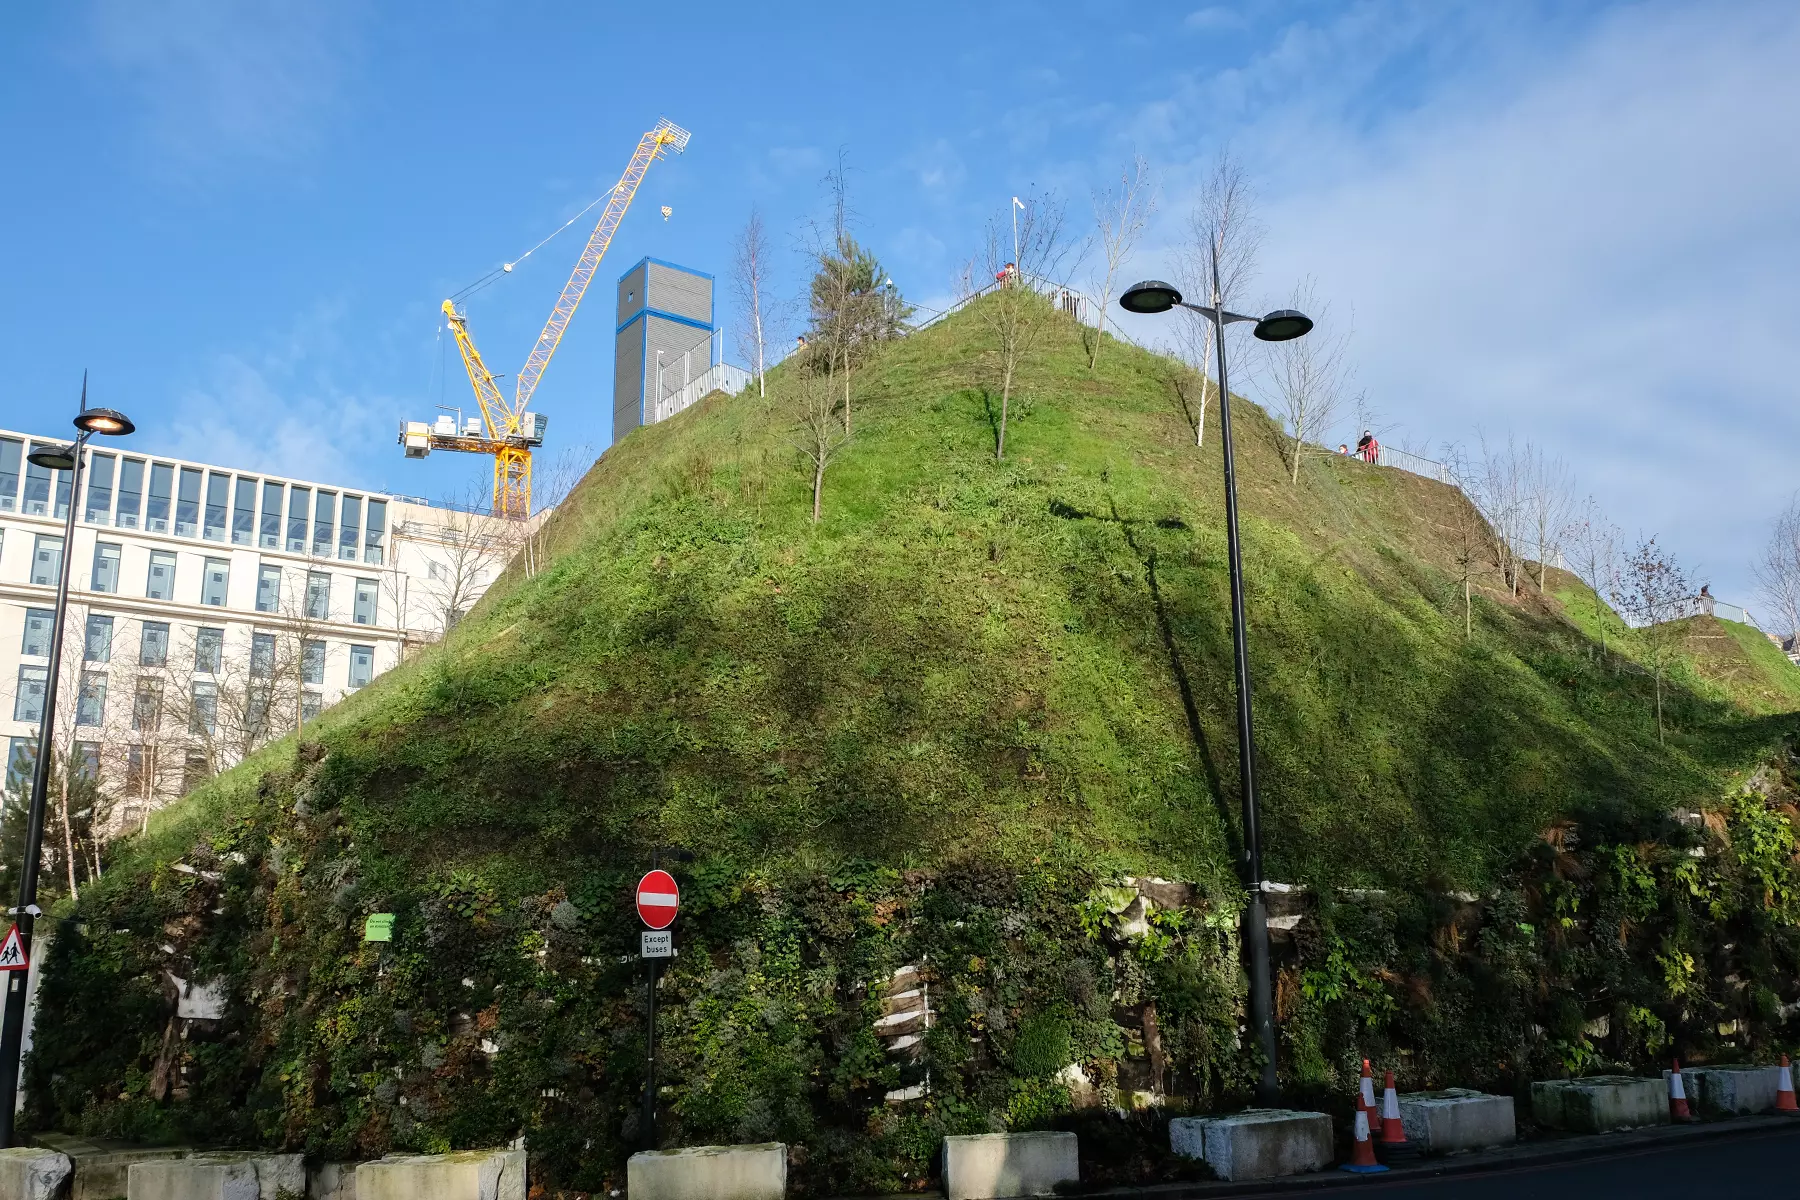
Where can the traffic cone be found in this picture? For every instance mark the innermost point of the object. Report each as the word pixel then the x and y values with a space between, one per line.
pixel 1362 1150
pixel 1393 1132
pixel 1678 1104
pixel 1366 1093
pixel 1784 1089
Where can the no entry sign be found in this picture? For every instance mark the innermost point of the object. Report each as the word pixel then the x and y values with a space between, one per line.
pixel 657 899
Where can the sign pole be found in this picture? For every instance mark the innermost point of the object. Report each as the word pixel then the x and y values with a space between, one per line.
pixel 658 898
pixel 650 1060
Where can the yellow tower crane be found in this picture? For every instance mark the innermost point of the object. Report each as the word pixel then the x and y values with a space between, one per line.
pixel 508 431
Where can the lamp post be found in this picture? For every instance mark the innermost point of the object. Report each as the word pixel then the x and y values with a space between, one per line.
pixel 12 1027
pixel 1155 296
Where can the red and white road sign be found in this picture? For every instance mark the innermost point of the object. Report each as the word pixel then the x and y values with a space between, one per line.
pixel 657 899
pixel 12 952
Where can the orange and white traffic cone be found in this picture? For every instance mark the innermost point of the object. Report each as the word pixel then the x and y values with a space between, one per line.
pixel 1678 1102
pixel 1393 1131
pixel 1362 1150
pixel 1784 1089
pixel 1365 1097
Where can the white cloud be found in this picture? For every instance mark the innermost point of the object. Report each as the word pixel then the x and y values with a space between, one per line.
pixel 1591 245
pixel 1212 18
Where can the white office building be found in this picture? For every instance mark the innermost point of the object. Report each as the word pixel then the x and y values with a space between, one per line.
pixel 210 610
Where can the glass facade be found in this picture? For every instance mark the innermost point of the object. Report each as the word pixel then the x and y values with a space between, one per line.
pixel 364 611
pixel 209 650
pixel 21 752
pixel 262 655
pixel 312 662
pixel 203 711
pixel 218 491
pixel 318 596
pixel 106 567
pixel 299 500
pixel 46 560
pixel 39 624
pixel 362 665
pixel 243 512
pixel 28 700
pixel 268 589
pixel 349 527
pixel 153 646
pixel 323 512
pixel 97 648
pixel 90 701
pixel 98 509
pixel 12 458
pixel 375 532
pixel 215 582
pixel 146 706
pixel 162 492
pixel 269 530
pixel 131 493
pixel 37 490
pixel 161 582
pixel 187 503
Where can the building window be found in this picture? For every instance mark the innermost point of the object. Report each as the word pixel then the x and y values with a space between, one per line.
pixel 87 760
pixel 311 703
pixel 106 567
pixel 40 623
pixel 28 701
pixel 318 596
pixel 187 503
pixel 162 487
pixel 268 589
pixel 323 511
pixel 268 530
pixel 196 769
pixel 161 583
pixel 218 491
pixel 262 655
pixel 299 499
pixel 147 706
pixel 203 712
pixel 46 560
pixel 362 665
pixel 90 701
pixel 374 532
pixel 209 650
pixel 21 753
pixel 364 613
pixel 37 489
pixel 140 769
pixel 243 513
pixel 98 509
pixel 349 528
pixel 153 647
pixel 131 493
pixel 312 662
pixel 12 454
pixel 213 582
pixel 258 699
pixel 98 648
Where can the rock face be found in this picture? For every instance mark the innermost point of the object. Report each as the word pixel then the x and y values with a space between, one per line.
pixel 229 1175
pixel 984 1166
pixel 33 1173
pixel 1259 1143
pixel 1600 1104
pixel 1457 1119
pixel 464 1175
pixel 709 1173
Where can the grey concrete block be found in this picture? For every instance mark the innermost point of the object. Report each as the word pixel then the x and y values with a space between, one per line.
pixel 33 1173
pixel 101 1167
pixel 757 1172
pixel 1258 1143
pixel 1730 1090
pixel 462 1175
pixel 1600 1104
pixel 984 1166
pixel 332 1181
pixel 223 1175
pixel 1457 1119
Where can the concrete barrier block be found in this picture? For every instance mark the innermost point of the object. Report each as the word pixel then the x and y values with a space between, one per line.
pixel 1600 1104
pixel 34 1173
pixel 1732 1090
pixel 1457 1119
pixel 757 1172
pixel 1259 1143
pixel 222 1175
pixel 463 1175
pixel 986 1166
pixel 332 1181
pixel 102 1167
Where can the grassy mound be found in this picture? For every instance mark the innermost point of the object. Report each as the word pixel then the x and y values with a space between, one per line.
pixel 940 728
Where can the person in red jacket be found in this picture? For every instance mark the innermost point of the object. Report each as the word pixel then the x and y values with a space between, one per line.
pixel 1367 448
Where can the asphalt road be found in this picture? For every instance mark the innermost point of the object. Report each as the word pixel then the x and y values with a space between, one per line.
pixel 1753 1167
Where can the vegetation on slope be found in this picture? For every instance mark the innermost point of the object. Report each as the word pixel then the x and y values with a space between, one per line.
pixel 939 727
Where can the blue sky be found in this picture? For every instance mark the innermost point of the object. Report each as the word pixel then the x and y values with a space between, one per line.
pixel 1579 224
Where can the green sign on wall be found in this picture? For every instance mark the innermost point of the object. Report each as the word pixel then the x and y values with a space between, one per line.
pixel 379 928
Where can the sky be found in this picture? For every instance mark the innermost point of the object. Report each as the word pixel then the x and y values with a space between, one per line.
pixel 1574 224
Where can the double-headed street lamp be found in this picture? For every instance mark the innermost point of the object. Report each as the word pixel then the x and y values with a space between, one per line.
pixel 1155 296
pixel 12 1028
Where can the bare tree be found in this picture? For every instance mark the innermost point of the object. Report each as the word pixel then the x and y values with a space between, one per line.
pixel 1468 538
pixel 1778 570
pixel 551 487
pixel 1014 315
pixel 1119 217
pixel 749 280
pixel 1223 220
pixel 1307 376
pixel 1549 504
pixel 1500 492
pixel 470 549
pixel 1654 592
pixel 819 435
pixel 1594 548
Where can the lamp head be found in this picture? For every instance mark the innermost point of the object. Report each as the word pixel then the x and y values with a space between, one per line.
pixel 109 421
pixel 1150 296
pixel 53 458
pixel 1283 325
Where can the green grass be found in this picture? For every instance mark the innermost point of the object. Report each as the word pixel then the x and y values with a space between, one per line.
pixel 973 685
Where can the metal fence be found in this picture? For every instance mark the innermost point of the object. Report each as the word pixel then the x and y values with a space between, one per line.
pixel 721 377
pixel 1388 456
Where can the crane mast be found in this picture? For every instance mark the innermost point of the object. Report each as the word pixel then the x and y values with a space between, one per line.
pixel 509 431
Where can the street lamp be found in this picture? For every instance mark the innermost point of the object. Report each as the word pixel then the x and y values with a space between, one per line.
pixel 90 421
pixel 1155 296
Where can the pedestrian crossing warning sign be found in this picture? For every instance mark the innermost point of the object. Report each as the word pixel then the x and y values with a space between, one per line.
pixel 12 952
